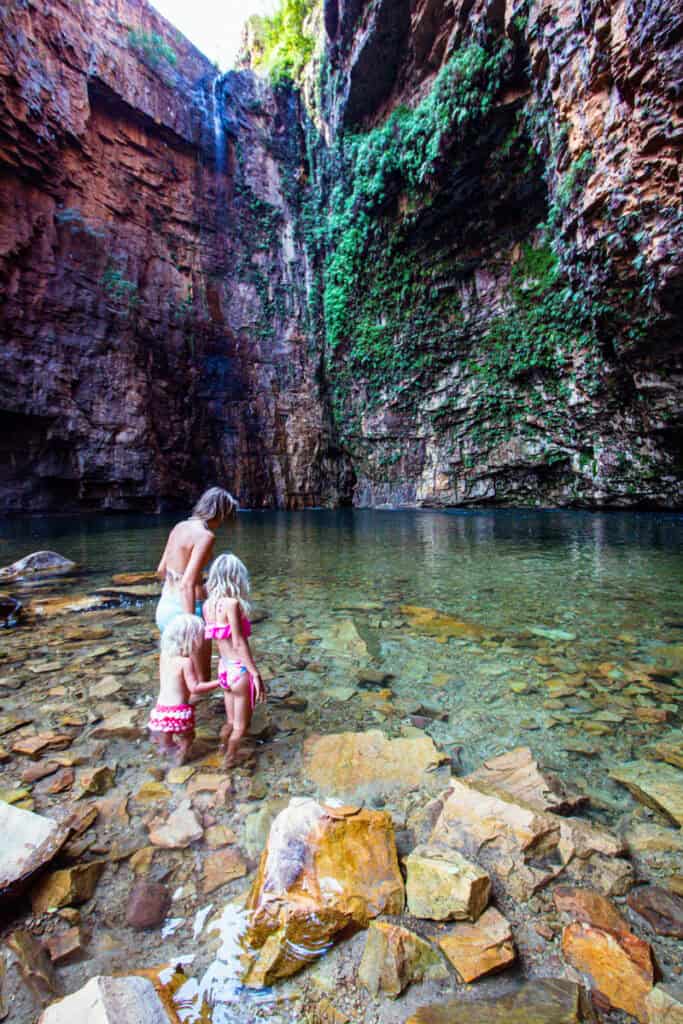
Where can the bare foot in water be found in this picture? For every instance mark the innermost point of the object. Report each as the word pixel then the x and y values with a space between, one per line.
pixel 240 757
pixel 182 749
pixel 225 734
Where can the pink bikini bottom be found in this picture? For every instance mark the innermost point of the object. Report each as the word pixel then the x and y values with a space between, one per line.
pixel 172 718
pixel 229 672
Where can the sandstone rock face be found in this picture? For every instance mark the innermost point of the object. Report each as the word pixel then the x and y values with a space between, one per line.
pixel 363 765
pixel 318 875
pixel 393 957
pixel 443 886
pixel 154 284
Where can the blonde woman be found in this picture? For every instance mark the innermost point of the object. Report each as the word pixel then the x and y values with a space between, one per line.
pixel 172 719
pixel 188 550
pixel 226 613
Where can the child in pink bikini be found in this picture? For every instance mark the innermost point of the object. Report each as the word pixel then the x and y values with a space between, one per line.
pixel 225 615
pixel 171 722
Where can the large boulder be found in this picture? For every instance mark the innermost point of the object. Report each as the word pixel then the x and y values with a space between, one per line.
pixel 367 765
pixel 39 563
pixel 29 842
pixel 324 870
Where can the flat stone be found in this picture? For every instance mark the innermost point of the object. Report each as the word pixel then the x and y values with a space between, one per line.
pixel 671 749
pixel 59 783
pixel 591 907
pixel 518 775
pixel 106 687
pixel 394 957
pixel 646 837
pixel 620 966
pixel 662 910
pixel 440 625
pixel 318 876
pixel 544 1001
pixel 109 1001
pixel 30 841
pixel 151 792
pixel 66 946
pixel 205 782
pixel 665 1004
pixel 66 887
pixel 219 835
pixel 37 564
pixel 179 830
pixel 39 770
pixel 442 885
pixel 367 765
pixel 343 639
pixel 654 784
pixel 33 746
pixel 8 723
pixel 148 905
pixel 179 776
pixel 34 965
pixel 95 781
pixel 485 947
pixel 222 867
pixel 124 725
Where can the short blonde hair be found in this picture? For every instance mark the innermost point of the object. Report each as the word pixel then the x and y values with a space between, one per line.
pixel 183 636
pixel 228 577
pixel 215 504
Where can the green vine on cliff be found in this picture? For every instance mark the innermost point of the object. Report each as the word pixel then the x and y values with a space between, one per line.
pixel 281 44
pixel 152 47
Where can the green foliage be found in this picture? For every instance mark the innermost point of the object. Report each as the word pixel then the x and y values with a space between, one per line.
pixel 284 47
pixel 400 155
pixel 122 293
pixel 152 47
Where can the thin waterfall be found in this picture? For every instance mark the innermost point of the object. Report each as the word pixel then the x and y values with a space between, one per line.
pixel 218 129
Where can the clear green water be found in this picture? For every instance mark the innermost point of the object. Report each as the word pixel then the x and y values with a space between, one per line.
pixel 613 581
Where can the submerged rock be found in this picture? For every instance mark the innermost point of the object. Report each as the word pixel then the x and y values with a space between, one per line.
pixel 179 830
pixel 343 639
pixel 318 875
pixel 482 948
pixel 441 626
pixel 109 1001
pixel 148 905
pixel 665 1004
pixel 543 1001
pixel 443 886
pixel 66 946
pixel 519 776
pixel 394 957
pixel 662 910
pixel 34 965
pixel 29 842
pixel 39 563
pixel 10 610
pixel 66 887
pixel 656 785
pixel 366 765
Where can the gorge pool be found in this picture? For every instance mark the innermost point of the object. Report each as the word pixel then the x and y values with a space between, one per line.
pixel 563 632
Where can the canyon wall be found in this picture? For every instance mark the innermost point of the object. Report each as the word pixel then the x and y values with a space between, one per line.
pixel 443 268
pixel 151 282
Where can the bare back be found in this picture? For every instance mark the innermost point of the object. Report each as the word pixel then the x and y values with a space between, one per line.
pixel 188 549
pixel 174 671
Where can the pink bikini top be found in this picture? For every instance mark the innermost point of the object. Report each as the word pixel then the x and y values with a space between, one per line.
pixel 213 631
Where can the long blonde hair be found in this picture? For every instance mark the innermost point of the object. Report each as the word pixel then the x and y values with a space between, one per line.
pixel 215 504
pixel 183 635
pixel 228 577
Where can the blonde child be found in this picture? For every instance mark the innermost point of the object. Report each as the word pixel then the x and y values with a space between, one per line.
pixel 225 614
pixel 172 720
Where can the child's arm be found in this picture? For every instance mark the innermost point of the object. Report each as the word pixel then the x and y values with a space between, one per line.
pixel 192 683
pixel 241 645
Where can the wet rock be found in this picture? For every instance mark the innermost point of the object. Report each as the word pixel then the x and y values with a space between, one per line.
pixel 8 723
pixel 485 947
pixel 95 781
pixel 63 780
pixel 141 860
pixel 66 946
pixel 33 746
pixel 220 835
pixel 151 792
pixel 592 854
pixel 131 578
pixel 107 687
pixel 369 678
pixel 519 776
pixel 318 875
pixel 543 1001
pixel 618 963
pixel 10 610
pixel 51 606
pixel 124 725
pixel 443 886
pixel 394 957
pixel 367 765
pixel 257 825
pixel 109 1001
pixel 343 639
pixel 661 909
pixel 591 907
pixel 148 905
pixel 665 1004
pixel 35 968
pixel 38 771
pixel 66 887
pixel 671 749
pixel 39 563
pixel 222 867
pixel 441 626
pixel 645 837
pixel 30 841
pixel 656 785
pixel 179 830
pixel 675 884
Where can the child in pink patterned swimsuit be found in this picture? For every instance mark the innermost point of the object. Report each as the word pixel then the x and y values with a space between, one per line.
pixel 225 614
pixel 172 720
